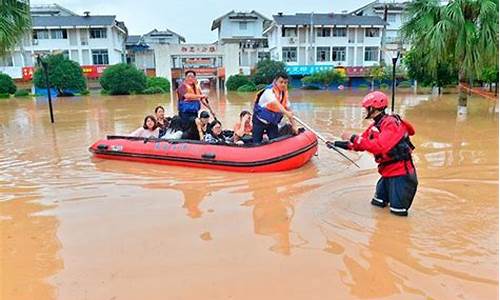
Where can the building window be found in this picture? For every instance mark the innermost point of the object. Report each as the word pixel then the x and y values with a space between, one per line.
pixel 289 32
pixel 339 31
pixel 100 57
pixel 58 34
pixel 65 53
pixel 338 53
pixel 323 32
pixel 323 54
pixel 289 54
pixel 371 53
pixel 6 61
pixel 97 33
pixel 40 34
pixel 391 18
pixel 263 55
pixel 372 32
pixel 243 25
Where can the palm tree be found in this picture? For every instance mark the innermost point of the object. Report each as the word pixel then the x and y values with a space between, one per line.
pixel 464 30
pixel 15 21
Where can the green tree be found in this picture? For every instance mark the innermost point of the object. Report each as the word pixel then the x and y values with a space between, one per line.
pixel 161 82
pixel 64 74
pixel 490 75
pixel 325 78
pixel 7 85
pixel 122 79
pixel 15 21
pixel 236 81
pixel 377 73
pixel 266 71
pixel 464 31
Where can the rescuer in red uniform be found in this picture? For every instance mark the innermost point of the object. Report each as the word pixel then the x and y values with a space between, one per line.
pixel 387 138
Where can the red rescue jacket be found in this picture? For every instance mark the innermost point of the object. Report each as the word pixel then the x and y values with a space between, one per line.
pixel 382 138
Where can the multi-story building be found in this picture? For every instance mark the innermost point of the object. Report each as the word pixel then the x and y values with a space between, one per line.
pixel 395 19
pixel 140 52
pixel 311 42
pixel 87 39
pixel 244 29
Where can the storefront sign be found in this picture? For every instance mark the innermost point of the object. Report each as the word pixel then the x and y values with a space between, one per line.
pixel 198 49
pixel 307 69
pixel 90 71
pixel 28 73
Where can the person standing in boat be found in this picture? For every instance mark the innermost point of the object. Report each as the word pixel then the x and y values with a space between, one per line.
pixel 271 104
pixel 388 139
pixel 190 98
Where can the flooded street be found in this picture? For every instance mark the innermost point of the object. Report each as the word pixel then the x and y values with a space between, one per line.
pixel 76 227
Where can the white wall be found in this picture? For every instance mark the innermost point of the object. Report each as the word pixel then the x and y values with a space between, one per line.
pixel 231 28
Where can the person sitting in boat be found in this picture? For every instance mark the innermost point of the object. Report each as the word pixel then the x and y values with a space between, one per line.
pixel 197 127
pixel 214 133
pixel 190 98
pixel 243 128
pixel 148 129
pixel 161 121
pixel 174 129
pixel 270 105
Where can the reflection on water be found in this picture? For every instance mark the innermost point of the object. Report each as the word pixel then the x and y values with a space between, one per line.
pixel 75 227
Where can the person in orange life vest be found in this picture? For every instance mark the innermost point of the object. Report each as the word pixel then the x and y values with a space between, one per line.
pixel 387 138
pixel 190 98
pixel 271 104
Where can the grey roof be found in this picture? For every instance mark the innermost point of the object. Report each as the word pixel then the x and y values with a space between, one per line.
pixel 133 39
pixel 156 32
pixel 65 21
pixel 216 23
pixel 328 19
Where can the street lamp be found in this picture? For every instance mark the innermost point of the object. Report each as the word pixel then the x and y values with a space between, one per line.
pixel 394 62
pixel 45 69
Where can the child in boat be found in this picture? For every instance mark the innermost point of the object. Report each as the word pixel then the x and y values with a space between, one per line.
pixel 214 133
pixel 243 128
pixel 174 129
pixel 148 129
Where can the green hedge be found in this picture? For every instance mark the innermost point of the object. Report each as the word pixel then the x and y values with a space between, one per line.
pixel 21 93
pixel 384 86
pixel 7 85
pixel 261 86
pixel 404 84
pixel 236 81
pixel 4 96
pixel 311 87
pixel 154 90
pixel 123 79
pixel 249 87
pixel 160 82
pixel 363 86
pixel 84 92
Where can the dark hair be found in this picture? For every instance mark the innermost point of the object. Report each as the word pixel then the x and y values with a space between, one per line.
pixel 175 124
pixel 189 71
pixel 244 112
pixel 281 75
pixel 204 114
pixel 212 125
pixel 145 126
pixel 158 108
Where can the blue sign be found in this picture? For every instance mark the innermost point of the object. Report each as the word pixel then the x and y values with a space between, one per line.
pixel 307 69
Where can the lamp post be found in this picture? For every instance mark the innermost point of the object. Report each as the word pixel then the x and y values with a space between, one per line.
pixel 394 62
pixel 45 69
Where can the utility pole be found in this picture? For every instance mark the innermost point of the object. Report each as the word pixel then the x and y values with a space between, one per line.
pixel 45 68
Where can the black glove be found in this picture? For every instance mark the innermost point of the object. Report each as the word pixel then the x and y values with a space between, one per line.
pixel 341 144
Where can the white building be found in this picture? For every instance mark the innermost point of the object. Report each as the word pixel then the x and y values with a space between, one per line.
pixel 244 29
pixel 88 39
pixel 325 39
pixel 395 19
pixel 140 51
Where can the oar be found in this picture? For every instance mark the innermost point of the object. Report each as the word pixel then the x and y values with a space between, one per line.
pixel 207 105
pixel 321 137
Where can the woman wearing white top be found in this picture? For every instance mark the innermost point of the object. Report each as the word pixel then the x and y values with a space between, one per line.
pixel 148 129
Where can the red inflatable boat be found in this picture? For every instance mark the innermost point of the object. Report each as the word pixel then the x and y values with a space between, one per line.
pixel 284 153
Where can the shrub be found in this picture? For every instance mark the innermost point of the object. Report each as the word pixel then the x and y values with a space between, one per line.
pixel 363 86
pixel 261 86
pixel 384 86
pixel 325 78
pixel 236 81
pixel 4 95
pixel 123 79
pixel 7 85
pixel 249 87
pixel 311 87
pixel 404 84
pixel 84 92
pixel 21 93
pixel 64 74
pixel 158 82
pixel 266 70
pixel 104 92
pixel 154 90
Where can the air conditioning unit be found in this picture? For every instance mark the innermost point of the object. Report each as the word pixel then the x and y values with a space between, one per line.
pixel 35 42
pixel 292 40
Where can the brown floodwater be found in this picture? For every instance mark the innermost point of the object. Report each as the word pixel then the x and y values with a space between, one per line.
pixel 75 227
